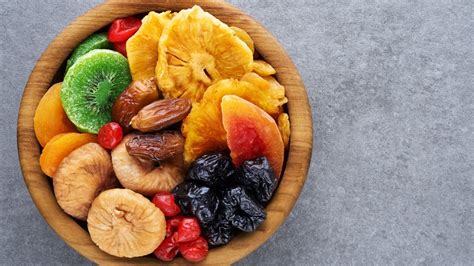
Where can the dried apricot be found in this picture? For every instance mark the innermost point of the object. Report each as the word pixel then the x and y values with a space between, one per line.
pixel 203 127
pixel 59 147
pixel 50 118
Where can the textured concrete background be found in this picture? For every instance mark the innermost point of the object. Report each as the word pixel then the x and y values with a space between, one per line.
pixel 391 85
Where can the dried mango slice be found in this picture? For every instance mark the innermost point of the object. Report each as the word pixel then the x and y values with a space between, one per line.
pixel 195 51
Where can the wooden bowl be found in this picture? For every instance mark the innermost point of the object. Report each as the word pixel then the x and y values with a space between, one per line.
pixel 48 67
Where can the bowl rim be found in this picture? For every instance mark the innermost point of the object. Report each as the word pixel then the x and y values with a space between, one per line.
pixel 46 68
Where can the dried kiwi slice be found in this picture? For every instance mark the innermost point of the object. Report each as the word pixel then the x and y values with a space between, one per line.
pixel 95 41
pixel 91 86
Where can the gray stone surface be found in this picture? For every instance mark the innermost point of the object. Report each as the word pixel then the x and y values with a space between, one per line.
pixel 391 86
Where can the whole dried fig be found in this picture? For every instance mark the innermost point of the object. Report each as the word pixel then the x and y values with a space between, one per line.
pixel 137 95
pixel 125 224
pixel 143 176
pixel 156 147
pixel 161 114
pixel 81 176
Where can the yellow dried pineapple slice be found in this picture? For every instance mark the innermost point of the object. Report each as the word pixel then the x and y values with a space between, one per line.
pixel 203 127
pixel 269 85
pixel 142 47
pixel 196 50
pixel 283 122
pixel 244 36
pixel 263 68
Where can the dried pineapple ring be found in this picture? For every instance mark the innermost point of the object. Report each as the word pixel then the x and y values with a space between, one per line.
pixel 284 127
pixel 263 68
pixel 196 50
pixel 203 127
pixel 268 83
pixel 244 36
pixel 142 47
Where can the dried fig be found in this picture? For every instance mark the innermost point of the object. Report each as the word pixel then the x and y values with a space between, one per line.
pixel 156 147
pixel 137 95
pixel 81 176
pixel 125 224
pixel 142 175
pixel 161 114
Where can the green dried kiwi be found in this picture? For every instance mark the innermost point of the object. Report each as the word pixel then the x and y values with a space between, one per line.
pixel 95 41
pixel 91 86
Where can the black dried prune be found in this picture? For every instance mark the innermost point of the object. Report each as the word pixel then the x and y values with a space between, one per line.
pixel 197 200
pixel 211 169
pixel 241 210
pixel 258 177
pixel 219 232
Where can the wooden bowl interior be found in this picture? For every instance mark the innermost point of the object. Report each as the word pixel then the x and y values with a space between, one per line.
pixel 48 70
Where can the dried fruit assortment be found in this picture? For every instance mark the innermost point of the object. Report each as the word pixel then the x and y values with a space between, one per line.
pixel 167 135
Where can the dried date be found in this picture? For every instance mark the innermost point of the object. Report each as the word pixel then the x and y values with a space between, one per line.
pixel 161 114
pixel 156 147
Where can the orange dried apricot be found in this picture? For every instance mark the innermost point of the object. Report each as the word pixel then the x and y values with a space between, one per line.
pixel 59 147
pixel 50 118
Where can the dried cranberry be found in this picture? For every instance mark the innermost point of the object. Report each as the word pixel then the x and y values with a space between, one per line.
pixel 172 225
pixel 121 47
pixel 167 250
pixel 165 202
pixel 110 135
pixel 123 28
pixel 188 230
pixel 194 251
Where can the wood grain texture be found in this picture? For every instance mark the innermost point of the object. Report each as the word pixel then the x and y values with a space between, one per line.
pixel 47 67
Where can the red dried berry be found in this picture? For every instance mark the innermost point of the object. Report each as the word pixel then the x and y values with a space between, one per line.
pixel 194 251
pixel 167 250
pixel 123 28
pixel 165 202
pixel 121 47
pixel 110 135
pixel 188 230
pixel 172 225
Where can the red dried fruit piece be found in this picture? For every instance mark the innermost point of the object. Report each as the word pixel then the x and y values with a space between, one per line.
pixel 121 48
pixel 165 202
pixel 188 230
pixel 194 251
pixel 123 28
pixel 167 250
pixel 172 225
pixel 110 135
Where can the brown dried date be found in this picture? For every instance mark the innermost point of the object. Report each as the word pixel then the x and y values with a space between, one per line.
pixel 137 95
pixel 156 147
pixel 161 114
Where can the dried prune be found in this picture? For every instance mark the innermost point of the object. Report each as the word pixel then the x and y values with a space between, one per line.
pixel 200 201
pixel 219 232
pixel 241 209
pixel 156 147
pixel 258 178
pixel 211 169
